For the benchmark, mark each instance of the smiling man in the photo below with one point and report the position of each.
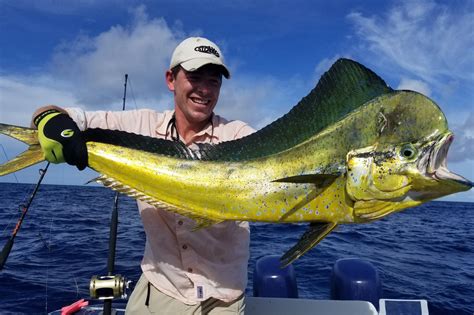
(184, 271)
(195, 78)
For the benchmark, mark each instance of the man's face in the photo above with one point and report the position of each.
(195, 93)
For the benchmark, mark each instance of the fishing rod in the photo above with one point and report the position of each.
(111, 286)
(8, 246)
(113, 225)
(114, 219)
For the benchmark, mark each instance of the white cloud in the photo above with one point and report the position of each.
(426, 39)
(94, 67)
(414, 85)
(21, 95)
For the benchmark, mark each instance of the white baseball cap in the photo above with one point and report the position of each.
(195, 52)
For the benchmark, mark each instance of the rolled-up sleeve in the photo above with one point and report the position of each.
(142, 121)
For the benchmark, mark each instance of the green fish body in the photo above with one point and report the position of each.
(351, 151)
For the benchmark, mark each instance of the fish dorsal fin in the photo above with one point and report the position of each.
(346, 86)
(139, 142)
(317, 231)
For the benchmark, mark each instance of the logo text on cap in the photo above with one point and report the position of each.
(207, 50)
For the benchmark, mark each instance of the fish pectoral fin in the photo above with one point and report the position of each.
(202, 223)
(29, 157)
(317, 231)
(319, 180)
(309, 197)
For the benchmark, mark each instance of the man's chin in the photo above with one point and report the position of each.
(201, 116)
(201, 113)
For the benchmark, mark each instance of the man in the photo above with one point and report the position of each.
(184, 271)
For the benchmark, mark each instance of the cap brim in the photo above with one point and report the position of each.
(196, 63)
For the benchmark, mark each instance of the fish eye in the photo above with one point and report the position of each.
(408, 151)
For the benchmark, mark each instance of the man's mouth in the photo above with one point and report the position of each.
(200, 101)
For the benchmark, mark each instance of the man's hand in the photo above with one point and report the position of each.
(61, 139)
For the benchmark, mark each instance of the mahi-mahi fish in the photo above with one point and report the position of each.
(352, 151)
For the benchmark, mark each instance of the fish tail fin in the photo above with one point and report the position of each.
(31, 156)
(26, 135)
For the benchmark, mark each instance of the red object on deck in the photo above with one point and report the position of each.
(74, 307)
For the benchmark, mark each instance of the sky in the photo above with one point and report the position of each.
(76, 53)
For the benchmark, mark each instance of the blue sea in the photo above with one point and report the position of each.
(425, 252)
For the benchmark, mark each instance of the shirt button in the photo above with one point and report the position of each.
(185, 246)
(180, 222)
(190, 269)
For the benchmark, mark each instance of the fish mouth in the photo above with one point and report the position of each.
(435, 165)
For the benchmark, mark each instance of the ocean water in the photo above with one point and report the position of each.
(425, 252)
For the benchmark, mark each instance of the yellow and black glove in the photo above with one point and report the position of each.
(60, 139)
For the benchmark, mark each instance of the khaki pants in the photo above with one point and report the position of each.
(160, 303)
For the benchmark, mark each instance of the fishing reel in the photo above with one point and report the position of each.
(108, 287)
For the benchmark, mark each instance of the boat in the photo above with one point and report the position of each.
(355, 290)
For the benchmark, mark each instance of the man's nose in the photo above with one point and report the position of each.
(203, 87)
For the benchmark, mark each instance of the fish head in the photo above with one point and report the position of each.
(388, 177)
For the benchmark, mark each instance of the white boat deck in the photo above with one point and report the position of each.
(284, 306)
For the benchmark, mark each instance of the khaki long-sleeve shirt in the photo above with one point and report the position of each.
(190, 266)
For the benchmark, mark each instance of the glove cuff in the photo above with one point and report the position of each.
(42, 115)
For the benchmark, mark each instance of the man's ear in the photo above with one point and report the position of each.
(169, 77)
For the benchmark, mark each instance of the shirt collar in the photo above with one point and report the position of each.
(167, 129)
